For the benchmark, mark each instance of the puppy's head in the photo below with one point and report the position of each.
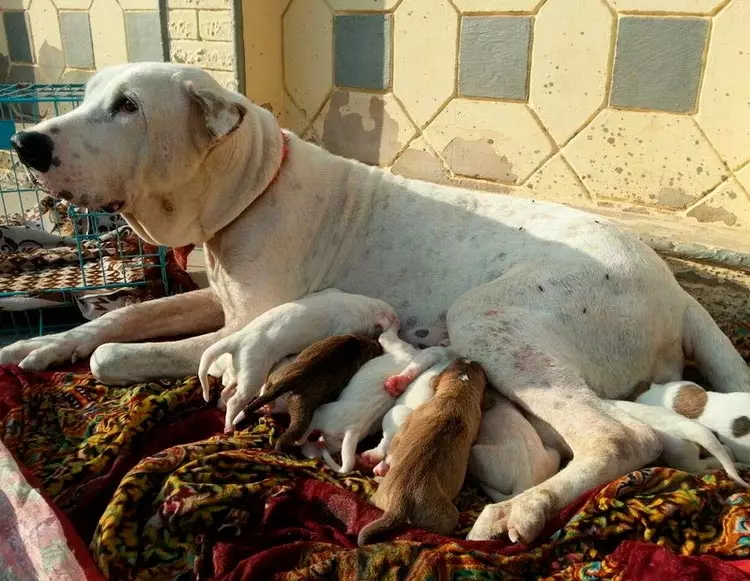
(143, 129)
(462, 373)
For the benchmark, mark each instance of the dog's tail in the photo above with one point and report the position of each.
(390, 520)
(714, 353)
(348, 453)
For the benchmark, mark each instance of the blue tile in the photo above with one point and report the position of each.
(363, 51)
(17, 33)
(75, 29)
(658, 63)
(143, 31)
(494, 57)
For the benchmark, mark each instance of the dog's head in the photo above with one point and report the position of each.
(137, 145)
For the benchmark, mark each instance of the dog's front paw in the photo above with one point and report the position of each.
(40, 353)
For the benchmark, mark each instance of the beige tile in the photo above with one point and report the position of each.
(743, 176)
(45, 35)
(292, 118)
(728, 205)
(370, 128)
(308, 53)
(225, 79)
(139, 4)
(724, 111)
(261, 33)
(657, 159)
(183, 24)
(218, 56)
(368, 5)
(216, 24)
(680, 6)
(73, 4)
(420, 162)
(557, 182)
(201, 4)
(569, 64)
(108, 33)
(489, 140)
(424, 27)
(497, 5)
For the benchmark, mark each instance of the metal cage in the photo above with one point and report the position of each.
(99, 253)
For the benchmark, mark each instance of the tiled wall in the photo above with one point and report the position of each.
(640, 105)
(201, 33)
(67, 40)
(50, 41)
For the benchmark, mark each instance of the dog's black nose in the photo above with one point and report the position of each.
(34, 149)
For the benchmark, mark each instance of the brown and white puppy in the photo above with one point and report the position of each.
(430, 454)
(317, 376)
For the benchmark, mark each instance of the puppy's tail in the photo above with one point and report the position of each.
(389, 521)
(717, 358)
(348, 454)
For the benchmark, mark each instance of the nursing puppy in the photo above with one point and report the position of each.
(679, 436)
(360, 407)
(727, 414)
(288, 329)
(316, 376)
(509, 456)
(430, 455)
(415, 385)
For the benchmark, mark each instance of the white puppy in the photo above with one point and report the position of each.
(288, 329)
(417, 376)
(727, 414)
(360, 407)
(679, 435)
(508, 456)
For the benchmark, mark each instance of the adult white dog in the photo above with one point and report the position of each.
(558, 306)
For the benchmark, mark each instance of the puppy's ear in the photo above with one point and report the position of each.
(221, 115)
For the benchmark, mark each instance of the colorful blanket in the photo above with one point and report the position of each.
(157, 492)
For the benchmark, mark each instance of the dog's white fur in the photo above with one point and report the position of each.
(558, 306)
(722, 410)
(420, 372)
(288, 329)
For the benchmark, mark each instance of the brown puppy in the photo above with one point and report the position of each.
(430, 454)
(316, 376)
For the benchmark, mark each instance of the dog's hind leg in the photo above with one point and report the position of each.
(190, 313)
(521, 362)
(301, 415)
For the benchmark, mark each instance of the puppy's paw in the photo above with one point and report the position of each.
(396, 385)
(381, 469)
(371, 458)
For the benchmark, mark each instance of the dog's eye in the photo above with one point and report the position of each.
(125, 105)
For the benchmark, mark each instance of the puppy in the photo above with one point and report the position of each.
(509, 456)
(727, 414)
(415, 385)
(679, 436)
(360, 407)
(316, 376)
(430, 455)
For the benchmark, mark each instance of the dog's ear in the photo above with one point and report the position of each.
(221, 115)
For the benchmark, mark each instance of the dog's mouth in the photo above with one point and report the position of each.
(110, 207)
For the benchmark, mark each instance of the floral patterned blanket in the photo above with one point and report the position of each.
(157, 492)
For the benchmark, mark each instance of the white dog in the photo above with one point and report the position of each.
(557, 305)
(727, 414)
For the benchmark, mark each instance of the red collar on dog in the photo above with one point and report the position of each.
(181, 253)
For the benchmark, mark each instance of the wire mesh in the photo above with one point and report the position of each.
(105, 261)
